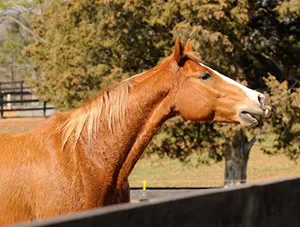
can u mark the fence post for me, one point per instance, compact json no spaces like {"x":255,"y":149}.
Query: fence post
{"x":8,"y":97}
{"x":1,"y":106}
{"x":44,"y":108}
{"x":22,"y":88}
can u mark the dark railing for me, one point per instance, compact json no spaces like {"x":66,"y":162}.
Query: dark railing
{"x":272,"y":203}
{"x":14,"y":95}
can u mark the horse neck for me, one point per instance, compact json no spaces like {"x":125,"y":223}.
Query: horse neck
{"x":147,"y":108}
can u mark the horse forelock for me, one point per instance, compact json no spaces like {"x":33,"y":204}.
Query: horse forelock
{"x":110,"y":104}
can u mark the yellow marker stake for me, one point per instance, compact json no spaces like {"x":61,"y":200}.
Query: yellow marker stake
{"x":144,"y":185}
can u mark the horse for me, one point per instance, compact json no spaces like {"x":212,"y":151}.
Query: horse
{"x":81,"y":159}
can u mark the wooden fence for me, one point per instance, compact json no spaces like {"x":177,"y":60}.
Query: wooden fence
{"x":15,"y":96}
{"x":270,"y":203}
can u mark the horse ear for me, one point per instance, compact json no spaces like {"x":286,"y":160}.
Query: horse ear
{"x":179,"y":51}
{"x":188,"y":46}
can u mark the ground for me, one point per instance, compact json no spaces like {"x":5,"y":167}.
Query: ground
{"x":159,"y":172}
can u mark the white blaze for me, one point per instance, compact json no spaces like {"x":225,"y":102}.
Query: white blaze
{"x":251,"y":94}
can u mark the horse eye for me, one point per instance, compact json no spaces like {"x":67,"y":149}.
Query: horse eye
{"x":204,"y":76}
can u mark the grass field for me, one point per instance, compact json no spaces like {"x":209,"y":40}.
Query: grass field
{"x":171,"y":173}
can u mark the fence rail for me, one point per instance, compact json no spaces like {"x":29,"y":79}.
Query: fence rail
{"x":14,"y":96}
{"x":272,"y":203}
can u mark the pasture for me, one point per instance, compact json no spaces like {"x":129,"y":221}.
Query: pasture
{"x":171,"y":173}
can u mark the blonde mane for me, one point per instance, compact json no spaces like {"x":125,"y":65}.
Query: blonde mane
{"x":113,"y":101}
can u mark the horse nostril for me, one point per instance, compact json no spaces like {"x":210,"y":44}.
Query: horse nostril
{"x":261,"y":99}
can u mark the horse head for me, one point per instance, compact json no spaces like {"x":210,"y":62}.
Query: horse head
{"x":205,"y":95}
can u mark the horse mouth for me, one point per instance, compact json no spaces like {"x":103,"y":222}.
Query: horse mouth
{"x":248,"y":119}
{"x":252,"y":118}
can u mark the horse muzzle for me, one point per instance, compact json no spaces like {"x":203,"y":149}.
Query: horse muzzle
{"x":250,"y":117}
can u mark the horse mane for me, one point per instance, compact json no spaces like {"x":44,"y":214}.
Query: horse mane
{"x":113,"y":100}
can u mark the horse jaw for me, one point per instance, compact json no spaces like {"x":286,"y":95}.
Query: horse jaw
{"x":249,"y":117}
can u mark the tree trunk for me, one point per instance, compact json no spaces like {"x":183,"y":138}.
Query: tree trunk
{"x":236,"y":153}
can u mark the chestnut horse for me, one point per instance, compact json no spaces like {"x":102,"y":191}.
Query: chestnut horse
{"x":81,"y":159}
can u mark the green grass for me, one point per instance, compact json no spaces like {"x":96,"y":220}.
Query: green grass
{"x":172,"y":173}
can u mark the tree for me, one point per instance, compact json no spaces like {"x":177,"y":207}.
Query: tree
{"x":105,"y":37}
{"x":84,"y":45}
{"x":254,"y":41}
{"x":97,"y":42}
{"x":16,"y":34}
{"x":252,"y":35}
{"x":284,"y":123}
{"x":11,"y":59}
{"x":179,"y":139}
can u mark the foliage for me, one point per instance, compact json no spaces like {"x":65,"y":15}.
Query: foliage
{"x":16,"y":34}
{"x":285,"y":120}
{"x":84,"y":45}
{"x":252,"y":36}
{"x":98,"y":37}
{"x":255,"y":38}
{"x":289,"y":10}
{"x":13,"y":63}
{"x":215,"y":26}
{"x":95,"y":40}
{"x":179,"y":139}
